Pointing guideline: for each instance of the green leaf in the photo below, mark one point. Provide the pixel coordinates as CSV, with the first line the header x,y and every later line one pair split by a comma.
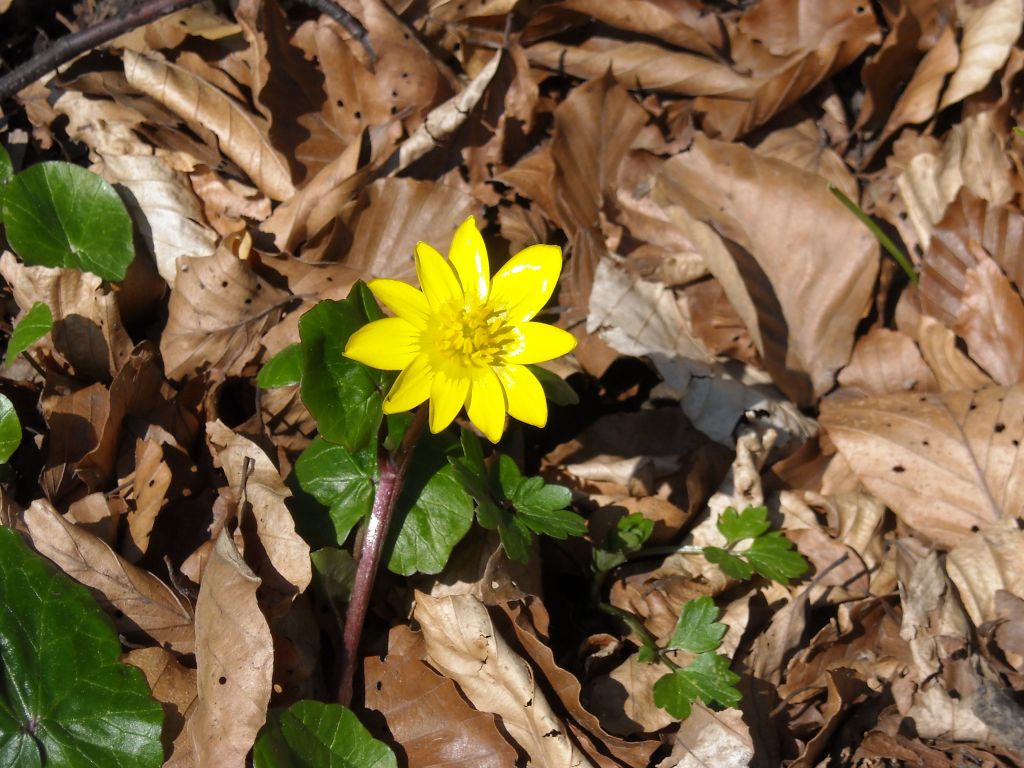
x,y
282,370
10,429
556,389
311,734
36,323
433,513
697,631
6,174
64,695
629,534
749,524
773,556
340,480
334,572
541,507
731,566
344,396
60,215
707,678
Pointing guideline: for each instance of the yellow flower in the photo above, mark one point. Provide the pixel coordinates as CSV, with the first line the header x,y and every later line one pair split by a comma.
x,y
465,338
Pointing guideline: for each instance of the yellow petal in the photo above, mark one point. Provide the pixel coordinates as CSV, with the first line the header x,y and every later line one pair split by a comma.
x,y
525,395
447,395
486,405
389,344
524,285
469,257
540,342
437,278
402,299
411,387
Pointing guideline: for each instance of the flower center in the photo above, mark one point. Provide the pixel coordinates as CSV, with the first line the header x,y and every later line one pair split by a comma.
x,y
474,336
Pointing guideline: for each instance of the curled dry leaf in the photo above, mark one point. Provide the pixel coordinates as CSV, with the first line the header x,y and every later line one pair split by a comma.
x,y
708,738
219,309
164,199
884,362
286,567
234,660
242,136
989,33
425,713
87,329
953,370
777,246
984,564
942,463
991,321
147,603
464,644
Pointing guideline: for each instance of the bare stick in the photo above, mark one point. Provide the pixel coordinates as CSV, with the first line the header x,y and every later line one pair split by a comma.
x,y
393,468
77,43
348,21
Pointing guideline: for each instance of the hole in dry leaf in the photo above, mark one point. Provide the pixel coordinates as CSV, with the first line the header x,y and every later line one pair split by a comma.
x,y
925,443
202,286
379,685
394,94
359,115
405,35
953,693
1016,442
259,286
330,279
898,468
394,110
222,680
223,283
975,529
405,74
1000,427
340,103
248,301
151,483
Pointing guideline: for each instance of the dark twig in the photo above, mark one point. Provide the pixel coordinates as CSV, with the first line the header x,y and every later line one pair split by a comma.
x,y
70,46
392,469
348,21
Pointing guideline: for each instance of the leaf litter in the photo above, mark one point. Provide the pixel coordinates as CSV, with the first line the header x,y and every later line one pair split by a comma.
x,y
743,341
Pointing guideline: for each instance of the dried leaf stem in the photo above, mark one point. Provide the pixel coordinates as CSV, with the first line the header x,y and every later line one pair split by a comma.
x,y
392,468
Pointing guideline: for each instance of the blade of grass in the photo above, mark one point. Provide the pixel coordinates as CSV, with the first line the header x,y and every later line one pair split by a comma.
x,y
887,243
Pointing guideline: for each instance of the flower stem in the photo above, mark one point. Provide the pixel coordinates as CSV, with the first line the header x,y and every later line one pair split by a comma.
x,y
392,468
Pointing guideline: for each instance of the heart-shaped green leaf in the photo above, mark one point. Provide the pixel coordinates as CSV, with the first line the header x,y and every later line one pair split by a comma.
x,y
282,370
65,699
60,215
310,734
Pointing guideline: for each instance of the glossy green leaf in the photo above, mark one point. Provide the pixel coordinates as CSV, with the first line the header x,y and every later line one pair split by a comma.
x,y
66,700
732,566
334,572
61,215
433,512
749,524
774,557
36,323
311,734
556,389
707,678
10,429
282,370
341,481
344,396
697,631
539,506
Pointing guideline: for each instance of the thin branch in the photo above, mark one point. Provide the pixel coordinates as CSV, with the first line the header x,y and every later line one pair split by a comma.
x,y
348,21
68,47
392,468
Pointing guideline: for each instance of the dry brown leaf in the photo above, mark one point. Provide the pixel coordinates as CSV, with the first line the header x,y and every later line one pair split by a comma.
x,y
283,560
147,604
623,699
709,738
87,330
942,463
173,685
425,713
241,135
163,198
464,644
234,661
953,370
219,309
989,33
775,248
806,146
991,321
984,564
886,361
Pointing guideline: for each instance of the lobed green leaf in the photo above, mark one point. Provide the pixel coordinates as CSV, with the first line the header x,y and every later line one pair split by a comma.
x,y
707,678
697,631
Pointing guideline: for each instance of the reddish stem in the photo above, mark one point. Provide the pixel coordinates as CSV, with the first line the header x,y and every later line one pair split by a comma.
x,y
392,468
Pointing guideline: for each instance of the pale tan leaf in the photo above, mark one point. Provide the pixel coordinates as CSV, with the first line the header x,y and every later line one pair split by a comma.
x,y
792,26
219,309
953,370
780,231
623,699
147,603
991,321
87,329
920,98
709,738
886,361
250,472
242,136
942,463
465,645
165,200
173,685
234,660
989,33
983,564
